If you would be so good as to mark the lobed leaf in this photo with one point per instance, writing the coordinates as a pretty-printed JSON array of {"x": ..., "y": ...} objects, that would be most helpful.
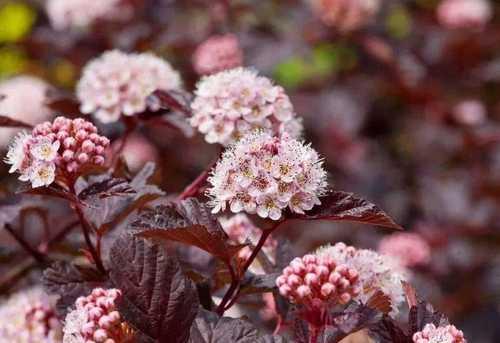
[{"x": 9, "y": 122}]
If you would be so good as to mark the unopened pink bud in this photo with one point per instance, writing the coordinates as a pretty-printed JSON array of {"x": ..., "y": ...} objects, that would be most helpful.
[
  {"x": 293, "y": 280},
  {"x": 303, "y": 291},
  {"x": 311, "y": 279},
  {"x": 327, "y": 289},
  {"x": 345, "y": 298},
  {"x": 100, "y": 335},
  {"x": 83, "y": 158}
]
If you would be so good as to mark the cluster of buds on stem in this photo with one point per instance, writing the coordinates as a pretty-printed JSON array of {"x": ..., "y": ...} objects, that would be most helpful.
[
  {"x": 96, "y": 319},
  {"x": 60, "y": 148},
  {"x": 441, "y": 334}
]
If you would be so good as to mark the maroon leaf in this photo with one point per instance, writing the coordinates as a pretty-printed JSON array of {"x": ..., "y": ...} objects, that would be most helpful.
[
  {"x": 107, "y": 188},
  {"x": 170, "y": 100},
  {"x": 387, "y": 331},
  {"x": 70, "y": 281},
  {"x": 189, "y": 222},
  {"x": 9, "y": 122},
  {"x": 158, "y": 300},
  {"x": 253, "y": 283},
  {"x": 342, "y": 206},
  {"x": 64, "y": 103},
  {"x": 208, "y": 327}
]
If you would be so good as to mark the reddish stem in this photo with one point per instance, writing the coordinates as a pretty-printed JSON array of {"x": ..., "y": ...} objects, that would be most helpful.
[
  {"x": 22, "y": 242},
  {"x": 194, "y": 187}
]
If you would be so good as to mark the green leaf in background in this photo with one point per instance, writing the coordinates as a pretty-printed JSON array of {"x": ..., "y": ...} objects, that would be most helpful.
[
  {"x": 16, "y": 20},
  {"x": 398, "y": 23},
  {"x": 291, "y": 73},
  {"x": 12, "y": 61}
]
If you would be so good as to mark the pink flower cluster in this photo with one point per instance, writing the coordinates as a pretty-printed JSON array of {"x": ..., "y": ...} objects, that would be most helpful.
[
  {"x": 441, "y": 334},
  {"x": 95, "y": 319},
  {"x": 232, "y": 103},
  {"x": 217, "y": 53},
  {"x": 470, "y": 112},
  {"x": 346, "y": 15},
  {"x": 265, "y": 175},
  {"x": 66, "y": 14},
  {"x": 28, "y": 316},
  {"x": 376, "y": 272},
  {"x": 23, "y": 99},
  {"x": 118, "y": 83},
  {"x": 317, "y": 281},
  {"x": 466, "y": 14},
  {"x": 409, "y": 248},
  {"x": 61, "y": 147},
  {"x": 241, "y": 230}
]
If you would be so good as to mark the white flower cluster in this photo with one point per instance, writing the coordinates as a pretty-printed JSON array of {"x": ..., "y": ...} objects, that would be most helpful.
[
  {"x": 118, "y": 83},
  {"x": 232, "y": 103},
  {"x": 66, "y": 14},
  {"x": 265, "y": 175},
  {"x": 376, "y": 272},
  {"x": 27, "y": 317}
]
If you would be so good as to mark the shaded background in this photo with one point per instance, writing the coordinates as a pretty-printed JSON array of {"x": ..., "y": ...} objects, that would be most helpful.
[{"x": 379, "y": 105}]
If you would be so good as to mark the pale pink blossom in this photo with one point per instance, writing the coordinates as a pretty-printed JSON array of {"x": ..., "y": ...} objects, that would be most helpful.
[
  {"x": 376, "y": 272},
  {"x": 233, "y": 103},
  {"x": 117, "y": 83},
  {"x": 55, "y": 148},
  {"x": 409, "y": 248},
  {"x": 95, "y": 318},
  {"x": 245, "y": 178},
  {"x": 138, "y": 151},
  {"x": 79, "y": 14},
  {"x": 346, "y": 15},
  {"x": 29, "y": 316},
  {"x": 470, "y": 112},
  {"x": 466, "y": 14},
  {"x": 217, "y": 53},
  {"x": 22, "y": 98},
  {"x": 441, "y": 334}
]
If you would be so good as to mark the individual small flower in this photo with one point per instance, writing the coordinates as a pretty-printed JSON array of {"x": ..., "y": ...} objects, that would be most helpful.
[
  {"x": 55, "y": 149},
  {"x": 266, "y": 175},
  {"x": 118, "y": 83},
  {"x": 441, "y": 334},
  {"x": 217, "y": 53},
  {"x": 233, "y": 103},
  {"x": 376, "y": 272},
  {"x": 318, "y": 281},
  {"x": 22, "y": 98},
  {"x": 466, "y": 14},
  {"x": 409, "y": 248},
  {"x": 241, "y": 230},
  {"x": 469, "y": 112},
  {"x": 345, "y": 15},
  {"x": 68, "y": 14},
  {"x": 29, "y": 316},
  {"x": 96, "y": 319}
]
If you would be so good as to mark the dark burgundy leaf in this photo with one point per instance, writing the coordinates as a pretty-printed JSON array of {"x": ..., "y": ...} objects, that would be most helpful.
[
  {"x": 342, "y": 206},
  {"x": 158, "y": 299},
  {"x": 253, "y": 283},
  {"x": 354, "y": 318},
  {"x": 70, "y": 281},
  {"x": 171, "y": 100},
  {"x": 387, "y": 331},
  {"x": 50, "y": 191},
  {"x": 423, "y": 313},
  {"x": 107, "y": 188},
  {"x": 208, "y": 327},
  {"x": 381, "y": 302},
  {"x": 9, "y": 122},
  {"x": 64, "y": 103},
  {"x": 189, "y": 222}
]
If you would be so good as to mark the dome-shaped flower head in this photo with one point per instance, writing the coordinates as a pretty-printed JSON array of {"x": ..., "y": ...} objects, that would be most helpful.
[
  {"x": 22, "y": 98},
  {"x": 376, "y": 272},
  {"x": 466, "y": 14},
  {"x": 265, "y": 175},
  {"x": 79, "y": 14},
  {"x": 232, "y": 103},
  {"x": 441, "y": 334},
  {"x": 240, "y": 230},
  {"x": 409, "y": 248},
  {"x": 217, "y": 53},
  {"x": 29, "y": 316},
  {"x": 345, "y": 15},
  {"x": 95, "y": 318},
  {"x": 55, "y": 149},
  {"x": 318, "y": 281},
  {"x": 118, "y": 83}
]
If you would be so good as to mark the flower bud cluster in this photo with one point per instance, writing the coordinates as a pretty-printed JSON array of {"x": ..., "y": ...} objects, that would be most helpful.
[
  {"x": 317, "y": 281},
  {"x": 466, "y": 14},
  {"x": 265, "y": 175},
  {"x": 230, "y": 104},
  {"x": 63, "y": 147},
  {"x": 95, "y": 319},
  {"x": 217, "y": 53},
  {"x": 409, "y": 248},
  {"x": 346, "y": 15},
  {"x": 441, "y": 334},
  {"x": 28, "y": 316},
  {"x": 118, "y": 83}
]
